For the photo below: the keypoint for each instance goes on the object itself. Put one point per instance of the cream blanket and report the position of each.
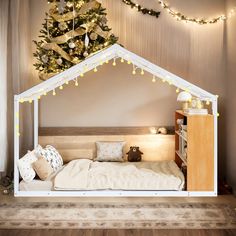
(85, 174)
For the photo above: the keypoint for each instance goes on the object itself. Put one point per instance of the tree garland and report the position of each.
(181, 17)
(139, 8)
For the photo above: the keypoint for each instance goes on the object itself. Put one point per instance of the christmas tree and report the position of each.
(72, 31)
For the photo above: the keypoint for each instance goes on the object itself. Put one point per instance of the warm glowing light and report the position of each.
(114, 63)
(177, 90)
(95, 69)
(39, 97)
(154, 79)
(67, 82)
(107, 61)
(128, 62)
(218, 114)
(142, 72)
(18, 134)
(122, 60)
(163, 80)
(61, 87)
(207, 102)
(81, 75)
(30, 101)
(54, 92)
(134, 72)
(45, 93)
(76, 83)
(169, 82)
(21, 100)
(101, 63)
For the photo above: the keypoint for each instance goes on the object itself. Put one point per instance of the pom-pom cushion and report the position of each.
(110, 151)
(42, 168)
(25, 166)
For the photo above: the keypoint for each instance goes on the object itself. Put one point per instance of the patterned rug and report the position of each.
(116, 215)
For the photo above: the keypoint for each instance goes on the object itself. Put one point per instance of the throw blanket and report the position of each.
(85, 174)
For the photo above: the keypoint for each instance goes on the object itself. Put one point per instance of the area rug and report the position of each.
(50, 215)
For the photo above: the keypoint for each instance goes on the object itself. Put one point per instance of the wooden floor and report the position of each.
(117, 232)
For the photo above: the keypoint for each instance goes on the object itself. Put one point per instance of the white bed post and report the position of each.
(215, 114)
(16, 144)
(36, 120)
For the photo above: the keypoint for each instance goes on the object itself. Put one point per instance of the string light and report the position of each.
(30, 101)
(141, 9)
(207, 102)
(177, 90)
(114, 62)
(154, 79)
(95, 69)
(107, 61)
(81, 75)
(181, 17)
(134, 70)
(101, 63)
(122, 60)
(21, 100)
(163, 80)
(128, 62)
(61, 87)
(76, 83)
(218, 114)
(142, 72)
(54, 92)
(45, 93)
(39, 97)
(67, 82)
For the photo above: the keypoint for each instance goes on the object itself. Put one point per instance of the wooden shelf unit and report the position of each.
(200, 150)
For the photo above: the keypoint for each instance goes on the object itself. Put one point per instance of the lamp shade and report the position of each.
(184, 97)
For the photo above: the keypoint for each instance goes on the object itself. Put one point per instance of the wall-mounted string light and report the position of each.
(201, 21)
(141, 9)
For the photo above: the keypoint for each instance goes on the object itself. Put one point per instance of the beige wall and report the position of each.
(231, 99)
(113, 97)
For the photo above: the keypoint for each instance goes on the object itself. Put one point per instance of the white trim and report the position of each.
(16, 144)
(36, 109)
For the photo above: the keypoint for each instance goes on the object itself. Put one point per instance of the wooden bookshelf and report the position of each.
(200, 150)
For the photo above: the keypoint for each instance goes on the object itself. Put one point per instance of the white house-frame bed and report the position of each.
(96, 60)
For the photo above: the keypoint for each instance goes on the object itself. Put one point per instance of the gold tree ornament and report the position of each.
(73, 29)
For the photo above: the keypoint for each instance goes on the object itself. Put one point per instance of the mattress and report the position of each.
(162, 175)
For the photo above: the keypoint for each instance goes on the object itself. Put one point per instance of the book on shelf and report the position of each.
(193, 111)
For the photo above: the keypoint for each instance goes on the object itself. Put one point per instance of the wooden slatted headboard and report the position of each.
(155, 147)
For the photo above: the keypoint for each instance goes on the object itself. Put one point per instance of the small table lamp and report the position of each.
(184, 97)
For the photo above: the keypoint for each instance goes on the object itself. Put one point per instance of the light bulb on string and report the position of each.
(114, 62)
(67, 82)
(95, 69)
(163, 80)
(61, 87)
(81, 75)
(101, 63)
(142, 72)
(22, 100)
(39, 97)
(30, 101)
(76, 83)
(128, 62)
(45, 93)
(177, 90)
(122, 60)
(134, 70)
(208, 102)
(54, 92)
(107, 61)
(153, 79)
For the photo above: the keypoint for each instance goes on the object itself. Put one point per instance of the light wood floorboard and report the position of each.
(118, 232)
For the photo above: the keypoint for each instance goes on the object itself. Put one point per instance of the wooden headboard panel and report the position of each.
(155, 147)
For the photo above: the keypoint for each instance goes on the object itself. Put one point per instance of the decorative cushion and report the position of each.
(42, 168)
(25, 166)
(52, 156)
(73, 154)
(110, 151)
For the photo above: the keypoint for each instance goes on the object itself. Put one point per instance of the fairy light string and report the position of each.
(201, 21)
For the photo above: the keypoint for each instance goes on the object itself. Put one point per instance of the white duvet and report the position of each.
(85, 174)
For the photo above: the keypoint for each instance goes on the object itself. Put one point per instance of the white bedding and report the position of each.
(88, 175)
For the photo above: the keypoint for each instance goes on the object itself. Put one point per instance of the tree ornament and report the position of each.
(85, 54)
(44, 58)
(61, 6)
(72, 45)
(59, 61)
(62, 26)
(86, 41)
(69, 4)
(93, 36)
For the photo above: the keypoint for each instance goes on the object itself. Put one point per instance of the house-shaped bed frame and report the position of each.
(113, 52)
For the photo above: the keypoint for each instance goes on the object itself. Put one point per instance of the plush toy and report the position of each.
(134, 154)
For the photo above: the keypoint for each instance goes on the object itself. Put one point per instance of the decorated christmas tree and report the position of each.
(72, 31)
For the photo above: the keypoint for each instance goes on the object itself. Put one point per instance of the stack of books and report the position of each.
(194, 111)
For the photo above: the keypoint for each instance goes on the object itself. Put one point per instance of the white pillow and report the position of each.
(25, 166)
(52, 156)
(110, 151)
